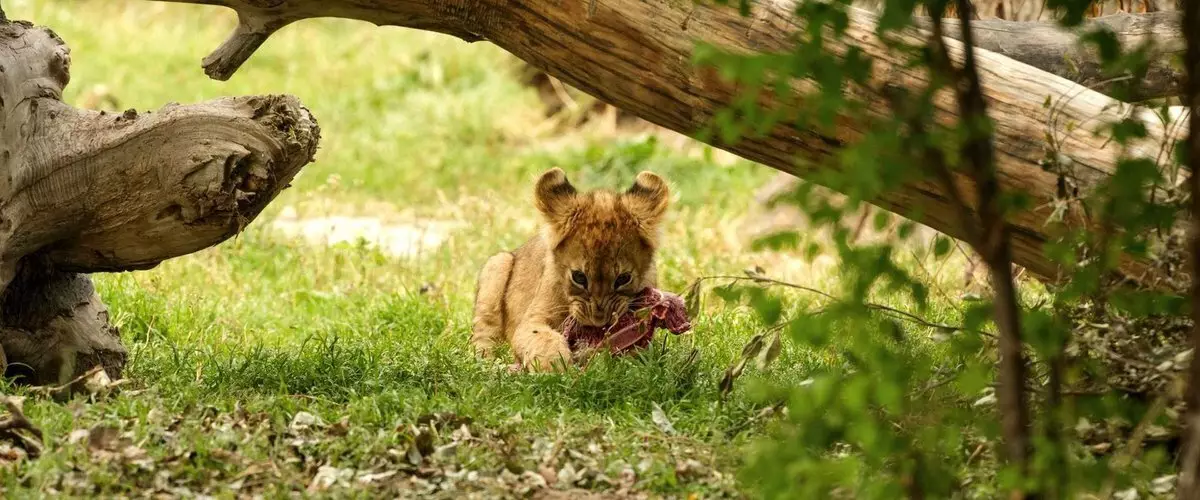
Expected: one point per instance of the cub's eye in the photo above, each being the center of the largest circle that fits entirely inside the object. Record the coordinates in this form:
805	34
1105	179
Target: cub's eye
579	278
622	280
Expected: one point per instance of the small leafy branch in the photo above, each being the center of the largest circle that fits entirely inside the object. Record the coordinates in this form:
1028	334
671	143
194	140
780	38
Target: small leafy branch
764	348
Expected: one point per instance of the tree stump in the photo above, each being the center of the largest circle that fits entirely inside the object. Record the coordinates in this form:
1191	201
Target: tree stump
84	191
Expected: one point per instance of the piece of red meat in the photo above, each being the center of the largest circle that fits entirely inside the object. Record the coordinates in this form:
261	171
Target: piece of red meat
650	310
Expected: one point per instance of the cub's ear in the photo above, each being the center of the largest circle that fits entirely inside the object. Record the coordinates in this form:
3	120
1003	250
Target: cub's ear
555	197
647	199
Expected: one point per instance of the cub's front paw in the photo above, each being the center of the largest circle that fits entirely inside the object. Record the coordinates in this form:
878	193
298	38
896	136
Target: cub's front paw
543	350
550	359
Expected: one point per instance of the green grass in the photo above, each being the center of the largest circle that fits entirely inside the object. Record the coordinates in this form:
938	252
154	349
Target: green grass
229	344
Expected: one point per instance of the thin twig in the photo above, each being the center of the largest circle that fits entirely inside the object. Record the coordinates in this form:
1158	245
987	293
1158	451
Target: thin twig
55	390
932	277
975	454
767	281
991	239
896	313
1188	486
562	94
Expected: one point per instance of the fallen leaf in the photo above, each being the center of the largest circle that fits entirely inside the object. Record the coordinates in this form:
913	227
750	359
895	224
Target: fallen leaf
18	429
104	437
10	453
341	427
548	474
446	451
645	464
986	400
98	382
371	478
77	436
1129	494
303	420
1184	357
414	456
567	475
660	419
688	469
628	478
1163	485
327	476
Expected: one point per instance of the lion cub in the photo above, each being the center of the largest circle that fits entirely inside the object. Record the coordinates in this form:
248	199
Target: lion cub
594	254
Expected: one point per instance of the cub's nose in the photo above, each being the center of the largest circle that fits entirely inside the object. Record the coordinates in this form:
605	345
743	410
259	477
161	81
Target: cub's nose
611	313
600	318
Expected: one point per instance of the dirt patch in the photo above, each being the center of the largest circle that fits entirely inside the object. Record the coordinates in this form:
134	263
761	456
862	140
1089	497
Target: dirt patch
408	240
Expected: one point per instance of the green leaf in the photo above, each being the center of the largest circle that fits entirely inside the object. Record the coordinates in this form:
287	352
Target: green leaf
691	298
1105	41
977	315
812	251
729	293
782	240
1128	129
769	309
920	294
973	378
881	221
941	246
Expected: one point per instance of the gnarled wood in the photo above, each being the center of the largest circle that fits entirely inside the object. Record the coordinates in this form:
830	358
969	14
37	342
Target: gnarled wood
636	54
84	191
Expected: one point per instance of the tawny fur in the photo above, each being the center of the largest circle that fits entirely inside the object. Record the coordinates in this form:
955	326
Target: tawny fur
608	239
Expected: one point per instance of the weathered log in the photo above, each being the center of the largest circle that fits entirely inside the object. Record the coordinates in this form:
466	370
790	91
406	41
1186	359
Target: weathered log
1049	47
1043	45
636	55
84	191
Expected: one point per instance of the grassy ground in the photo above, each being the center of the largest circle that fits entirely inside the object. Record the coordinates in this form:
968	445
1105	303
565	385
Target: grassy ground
234	348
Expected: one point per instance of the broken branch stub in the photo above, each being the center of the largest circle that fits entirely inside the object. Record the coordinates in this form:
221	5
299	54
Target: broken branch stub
249	35
84	191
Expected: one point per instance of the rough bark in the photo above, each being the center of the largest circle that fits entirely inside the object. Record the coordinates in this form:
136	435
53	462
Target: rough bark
1049	47
84	191
636	55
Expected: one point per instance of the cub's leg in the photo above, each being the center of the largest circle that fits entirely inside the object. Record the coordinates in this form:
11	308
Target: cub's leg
487	329
540	347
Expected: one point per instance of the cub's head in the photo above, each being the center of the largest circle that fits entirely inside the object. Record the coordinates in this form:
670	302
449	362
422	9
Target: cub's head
602	242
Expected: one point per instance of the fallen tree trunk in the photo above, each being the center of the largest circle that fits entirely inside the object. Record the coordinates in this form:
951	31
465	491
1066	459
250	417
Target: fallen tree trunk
1043	45
1051	48
636	55
84	191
